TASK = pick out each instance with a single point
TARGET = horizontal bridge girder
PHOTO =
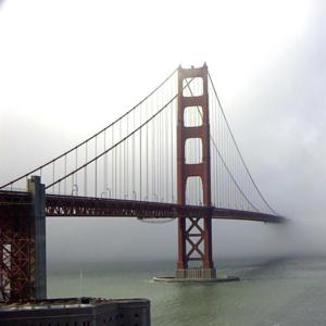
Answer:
(193, 101)
(193, 72)
(61, 206)
(194, 170)
(193, 132)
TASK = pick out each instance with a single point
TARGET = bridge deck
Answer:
(69, 206)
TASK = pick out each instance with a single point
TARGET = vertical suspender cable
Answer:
(65, 172)
(113, 175)
(85, 170)
(127, 162)
(140, 158)
(147, 167)
(95, 176)
(53, 175)
(133, 159)
(172, 151)
(105, 165)
(76, 166)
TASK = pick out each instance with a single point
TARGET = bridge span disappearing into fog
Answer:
(173, 155)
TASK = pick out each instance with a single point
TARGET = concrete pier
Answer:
(173, 279)
(196, 273)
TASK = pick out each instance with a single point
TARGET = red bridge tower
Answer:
(194, 234)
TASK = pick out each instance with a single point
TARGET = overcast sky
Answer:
(68, 68)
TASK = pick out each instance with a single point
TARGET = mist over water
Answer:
(120, 239)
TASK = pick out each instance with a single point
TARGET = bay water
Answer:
(274, 292)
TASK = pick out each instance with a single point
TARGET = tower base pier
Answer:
(174, 279)
(196, 274)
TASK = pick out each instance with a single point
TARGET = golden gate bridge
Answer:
(173, 155)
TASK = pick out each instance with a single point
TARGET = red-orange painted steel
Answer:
(17, 248)
(78, 206)
(194, 234)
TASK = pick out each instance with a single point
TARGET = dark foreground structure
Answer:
(77, 312)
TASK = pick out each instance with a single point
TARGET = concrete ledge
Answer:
(173, 279)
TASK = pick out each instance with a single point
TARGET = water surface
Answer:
(285, 291)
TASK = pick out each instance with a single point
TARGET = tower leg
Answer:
(194, 234)
(197, 250)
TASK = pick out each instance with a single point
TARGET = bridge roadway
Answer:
(78, 206)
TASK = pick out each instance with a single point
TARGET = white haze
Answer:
(67, 68)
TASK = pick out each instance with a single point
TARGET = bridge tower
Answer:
(22, 245)
(194, 234)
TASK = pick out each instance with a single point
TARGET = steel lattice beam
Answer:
(78, 206)
(22, 244)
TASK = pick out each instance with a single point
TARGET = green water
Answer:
(288, 291)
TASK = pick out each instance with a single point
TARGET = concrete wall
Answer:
(134, 312)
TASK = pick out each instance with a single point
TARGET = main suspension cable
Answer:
(114, 146)
(238, 149)
(94, 135)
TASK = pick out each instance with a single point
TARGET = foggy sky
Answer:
(69, 68)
